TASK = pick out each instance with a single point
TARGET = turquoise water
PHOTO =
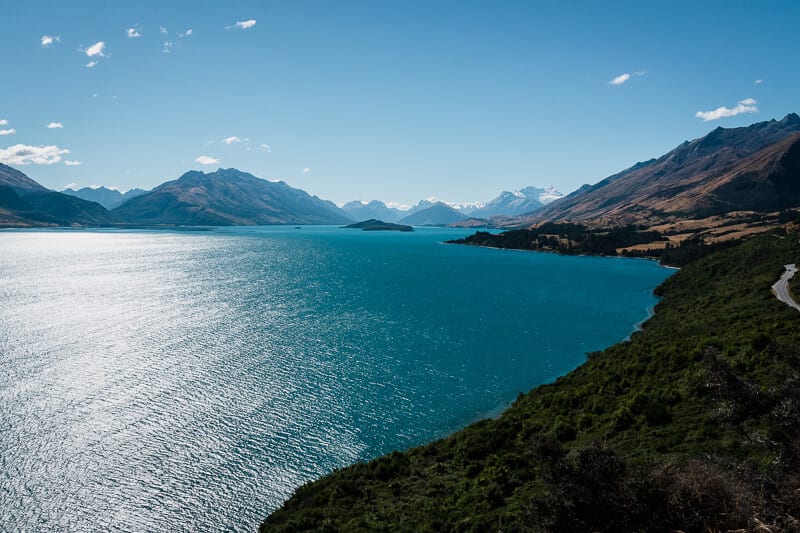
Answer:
(173, 380)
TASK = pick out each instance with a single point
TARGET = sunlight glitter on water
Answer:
(157, 380)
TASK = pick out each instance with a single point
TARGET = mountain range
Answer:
(438, 214)
(374, 209)
(754, 168)
(751, 169)
(526, 200)
(228, 197)
(108, 198)
(25, 203)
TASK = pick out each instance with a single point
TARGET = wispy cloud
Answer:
(47, 40)
(133, 33)
(187, 33)
(72, 163)
(162, 30)
(55, 125)
(91, 64)
(207, 160)
(758, 82)
(748, 105)
(622, 78)
(232, 139)
(306, 170)
(21, 154)
(10, 131)
(257, 147)
(619, 80)
(73, 186)
(243, 25)
(3, 122)
(96, 50)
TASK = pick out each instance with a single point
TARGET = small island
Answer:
(379, 225)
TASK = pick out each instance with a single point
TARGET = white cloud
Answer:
(748, 105)
(167, 47)
(163, 30)
(72, 163)
(55, 125)
(622, 78)
(257, 147)
(758, 82)
(91, 64)
(133, 33)
(47, 40)
(73, 186)
(619, 80)
(231, 140)
(207, 160)
(187, 33)
(306, 170)
(3, 122)
(10, 131)
(21, 154)
(243, 25)
(96, 50)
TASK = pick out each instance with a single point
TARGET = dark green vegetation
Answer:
(693, 424)
(564, 238)
(576, 239)
(379, 225)
(794, 287)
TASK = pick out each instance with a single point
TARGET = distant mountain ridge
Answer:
(228, 197)
(748, 168)
(372, 210)
(525, 200)
(438, 214)
(25, 203)
(108, 198)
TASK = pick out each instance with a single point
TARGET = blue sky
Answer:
(390, 100)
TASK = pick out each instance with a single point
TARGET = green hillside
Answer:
(693, 424)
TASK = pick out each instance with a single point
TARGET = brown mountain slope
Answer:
(742, 169)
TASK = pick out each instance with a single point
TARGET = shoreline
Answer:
(641, 408)
(554, 252)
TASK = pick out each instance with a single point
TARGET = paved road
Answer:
(781, 287)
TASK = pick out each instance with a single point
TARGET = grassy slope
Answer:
(693, 424)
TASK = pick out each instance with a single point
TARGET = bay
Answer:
(178, 380)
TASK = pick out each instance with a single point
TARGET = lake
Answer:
(170, 380)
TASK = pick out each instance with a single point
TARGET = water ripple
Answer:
(172, 381)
